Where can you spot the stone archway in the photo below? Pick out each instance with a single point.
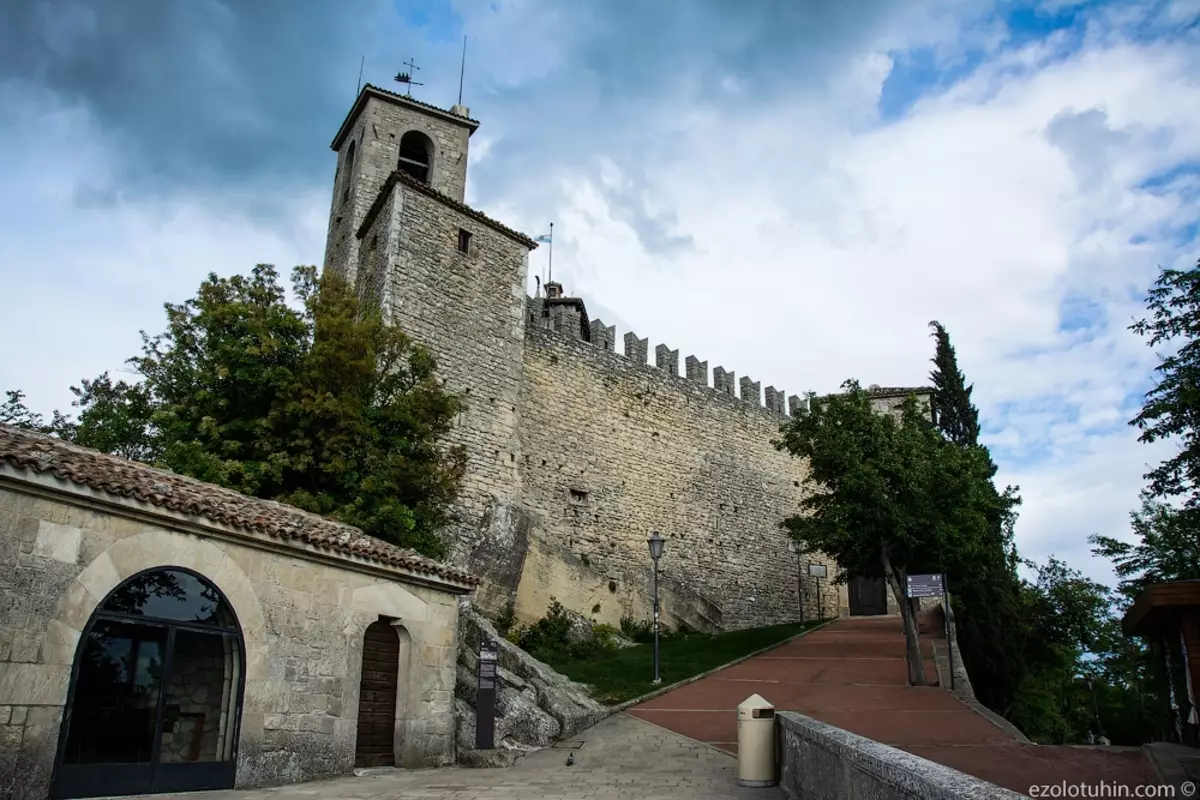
(156, 691)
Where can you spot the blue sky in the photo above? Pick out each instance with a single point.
(791, 190)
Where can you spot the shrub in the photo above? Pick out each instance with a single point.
(505, 619)
(640, 631)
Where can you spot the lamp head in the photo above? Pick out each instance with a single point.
(656, 543)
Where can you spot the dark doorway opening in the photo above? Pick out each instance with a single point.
(376, 742)
(416, 155)
(156, 691)
(868, 596)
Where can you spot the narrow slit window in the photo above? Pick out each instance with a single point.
(579, 497)
(464, 240)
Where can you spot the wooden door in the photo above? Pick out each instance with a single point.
(868, 596)
(375, 746)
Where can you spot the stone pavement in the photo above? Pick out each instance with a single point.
(852, 674)
(622, 758)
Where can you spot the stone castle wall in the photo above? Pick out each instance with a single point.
(614, 449)
(468, 308)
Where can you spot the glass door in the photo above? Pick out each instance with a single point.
(156, 693)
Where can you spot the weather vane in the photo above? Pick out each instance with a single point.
(407, 77)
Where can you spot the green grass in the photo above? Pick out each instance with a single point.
(627, 673)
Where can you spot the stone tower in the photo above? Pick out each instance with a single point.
(451, 277)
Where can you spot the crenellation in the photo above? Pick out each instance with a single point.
(796, 404)
(697, 370)
(603, 336)
(636, 349)
(666, 359)
(774, 399)
(723, 381)
(751, 393)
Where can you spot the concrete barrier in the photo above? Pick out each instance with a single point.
(819, 761)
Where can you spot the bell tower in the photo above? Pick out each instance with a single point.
(385, 132)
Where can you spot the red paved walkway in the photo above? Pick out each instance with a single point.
(852, 674)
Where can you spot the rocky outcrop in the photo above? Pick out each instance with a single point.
(536, 706)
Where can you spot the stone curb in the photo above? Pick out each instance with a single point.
(617, 709)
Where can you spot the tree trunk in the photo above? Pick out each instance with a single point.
(912, 641)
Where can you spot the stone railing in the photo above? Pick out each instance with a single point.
(821, 761)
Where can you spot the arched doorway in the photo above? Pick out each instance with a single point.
(156, 691)
(376, 742)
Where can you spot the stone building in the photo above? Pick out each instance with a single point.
(577, 453)
(158, 633)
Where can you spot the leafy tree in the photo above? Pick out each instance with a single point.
(14, 412)
(324, 407)
(1172, 407)
(986, 590)
(890, 493)
(1168, 548)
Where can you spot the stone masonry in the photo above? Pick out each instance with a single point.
(577, 453)
(72, 530)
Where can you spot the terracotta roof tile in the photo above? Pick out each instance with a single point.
(408, 180)
(131, 479)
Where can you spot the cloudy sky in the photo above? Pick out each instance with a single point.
(790, 189)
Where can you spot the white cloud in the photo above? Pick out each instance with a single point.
(822, 251)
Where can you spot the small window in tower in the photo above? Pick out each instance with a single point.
(348, 178)
(464, 240)
(416, 155)
(579, 497)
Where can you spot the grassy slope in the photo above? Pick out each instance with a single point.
(627, 673)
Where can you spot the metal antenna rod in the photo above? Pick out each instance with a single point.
(360, 70)
(462, 68)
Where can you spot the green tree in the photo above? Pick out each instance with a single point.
(890, 493)
(1167, 548)
(953, 410)
(13, 411)
(324, 406)
(986, 591)
(1172, 407)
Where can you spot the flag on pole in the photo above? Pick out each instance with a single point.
(545, 237)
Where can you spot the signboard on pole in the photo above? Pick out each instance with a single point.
(925, 586)
(817, 571)
(485, 697)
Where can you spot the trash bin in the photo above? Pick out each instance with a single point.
(756, 742)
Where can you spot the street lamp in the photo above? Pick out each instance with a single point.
(656, 543)
(796, 548)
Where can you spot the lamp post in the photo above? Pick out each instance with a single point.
(796, 548)
(1095, 706)
(656, 543)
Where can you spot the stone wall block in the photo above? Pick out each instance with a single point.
(774, 399)
(723, 381)
(635, 348)
(796, 403)
(751, 393)
(696, 370)
(666, 359)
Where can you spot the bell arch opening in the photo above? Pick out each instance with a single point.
(156, 691)
(416, 156)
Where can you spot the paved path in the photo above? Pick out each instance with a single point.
(622, 758)
(852, 674)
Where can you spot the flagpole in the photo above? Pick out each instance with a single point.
(550, 273)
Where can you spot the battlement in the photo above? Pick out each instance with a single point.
(567, 316)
